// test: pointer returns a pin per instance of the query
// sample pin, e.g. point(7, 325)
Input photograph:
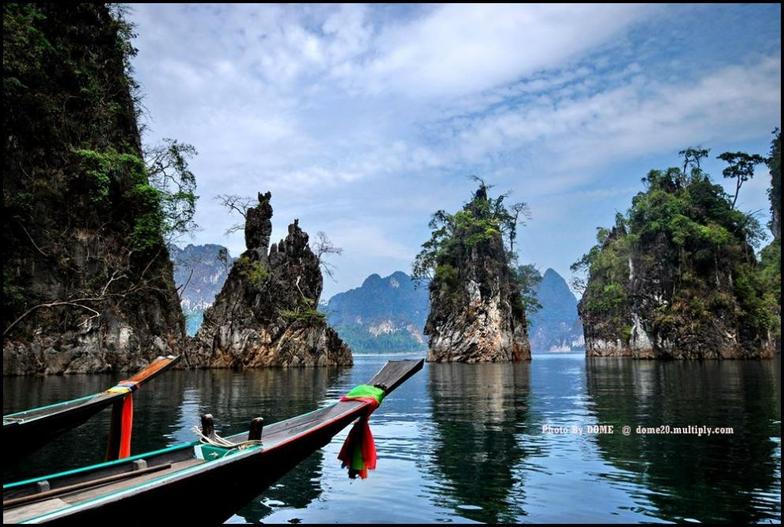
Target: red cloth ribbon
point(126, 426)
point(359, 449)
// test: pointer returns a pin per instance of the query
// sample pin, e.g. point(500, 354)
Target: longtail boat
point(204, 480)
point(25, 432)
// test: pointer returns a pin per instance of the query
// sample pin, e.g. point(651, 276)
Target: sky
point(363, 120)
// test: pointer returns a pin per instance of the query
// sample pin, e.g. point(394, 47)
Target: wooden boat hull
point(25, 438)
point(27, 431)
point(185, 482)
point(227, 488)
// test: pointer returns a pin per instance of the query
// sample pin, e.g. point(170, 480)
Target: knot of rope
point(216, 440)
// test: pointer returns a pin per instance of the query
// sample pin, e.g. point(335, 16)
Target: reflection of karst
point(477, 410)
point(714, 478)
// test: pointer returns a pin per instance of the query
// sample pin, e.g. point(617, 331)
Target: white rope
point(219, 441)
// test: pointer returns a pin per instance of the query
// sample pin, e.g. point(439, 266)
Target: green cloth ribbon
point(365, 390)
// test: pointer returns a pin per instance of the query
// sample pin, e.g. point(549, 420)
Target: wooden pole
point(208, 426)
point(256, 427)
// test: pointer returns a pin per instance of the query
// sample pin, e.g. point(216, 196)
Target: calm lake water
point(465, 443)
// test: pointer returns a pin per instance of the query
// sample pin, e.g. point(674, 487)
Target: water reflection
point(278, 394)
point(709, 478)
point(476, 410)
point(459, 443)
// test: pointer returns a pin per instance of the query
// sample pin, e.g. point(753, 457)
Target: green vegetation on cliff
point(481, 222)
point(680, 265)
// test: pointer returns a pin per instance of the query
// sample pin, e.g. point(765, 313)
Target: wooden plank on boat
point(156, 367)
point(80, 486)
point(33, 510)
point(396, 372)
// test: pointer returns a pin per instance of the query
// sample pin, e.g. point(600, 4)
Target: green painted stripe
point(100, 465)
point(84, 504)
point(52, 405)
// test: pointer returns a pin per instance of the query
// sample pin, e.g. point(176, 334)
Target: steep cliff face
point(87, 281)
point(199, 272)
point(604, 308)
point(676, 277)
point(476, 313)
point(771, 255)
point(266, 314)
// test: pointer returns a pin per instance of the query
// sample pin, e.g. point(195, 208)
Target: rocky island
point(265, 314)
point(477, 313)
point(677, 276)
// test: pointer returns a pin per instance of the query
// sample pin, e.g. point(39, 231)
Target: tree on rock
point(477, 309)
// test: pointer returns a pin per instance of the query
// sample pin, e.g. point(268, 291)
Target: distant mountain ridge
point(556, 327)
point(382, 315)
point(199, 273)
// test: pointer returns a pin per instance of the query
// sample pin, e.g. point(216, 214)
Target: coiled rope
point(216, 440)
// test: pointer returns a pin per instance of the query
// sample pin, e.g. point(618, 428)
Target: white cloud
point(377, 113)
point(467, 48)
point(639, 118)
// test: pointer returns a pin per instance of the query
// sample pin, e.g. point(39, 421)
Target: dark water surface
point(465, 443)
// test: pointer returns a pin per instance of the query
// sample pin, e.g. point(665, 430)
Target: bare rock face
point(266, 315)
point(474, 316)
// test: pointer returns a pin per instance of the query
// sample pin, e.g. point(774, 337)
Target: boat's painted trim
point(99, 465)
point(50, 406)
